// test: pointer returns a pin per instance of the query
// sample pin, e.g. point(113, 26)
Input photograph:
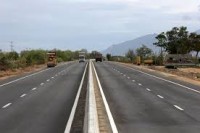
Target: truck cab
point(81, 57)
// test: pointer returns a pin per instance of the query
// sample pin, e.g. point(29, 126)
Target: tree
point(108, 56)
point(143, 52)
point(195, 43)
point(13, 55)
point(175, 41)
point(130, 54)
point(162, 42)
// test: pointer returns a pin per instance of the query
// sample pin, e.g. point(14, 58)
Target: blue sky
point(90, 24)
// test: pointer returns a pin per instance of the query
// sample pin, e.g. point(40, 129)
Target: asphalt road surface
point(39, 102)
point(149, 103)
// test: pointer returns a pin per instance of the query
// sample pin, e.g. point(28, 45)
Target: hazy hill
point(198, 31)
point(122, 48)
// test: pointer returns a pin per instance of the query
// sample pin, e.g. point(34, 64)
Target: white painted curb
point(92, 117)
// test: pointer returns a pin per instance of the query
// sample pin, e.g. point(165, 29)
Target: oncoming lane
point(44, 108)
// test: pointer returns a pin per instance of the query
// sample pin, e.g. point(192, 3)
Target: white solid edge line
point(23, 77)
point(93, 123)
point(71, 117)
point(165, 80)
point(110, 117)
point(5, 106)
point(178, 107)
point(160, 96)
point(29, 75)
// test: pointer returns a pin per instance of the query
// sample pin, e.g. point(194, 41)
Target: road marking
point(52, 77)
point(71, 117)
point(121, 73)
point(48, 80)
point(133, 80)
point(178, 107)
point(34, 89)
point(139, 84)
point(165, 80)
point(42, 84)
point(5, 106)
point(110, 117)
point(148, 89)
point(128, 77)
point(124, 75)
point(160, 96)
point(23, 95)
point(23, 77)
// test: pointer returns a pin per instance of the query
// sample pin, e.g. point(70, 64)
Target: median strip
point(106, 106)
point(92, 117)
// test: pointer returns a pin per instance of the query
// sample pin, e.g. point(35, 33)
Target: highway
point(142, 102)
point(136, 101)
point(39, 102)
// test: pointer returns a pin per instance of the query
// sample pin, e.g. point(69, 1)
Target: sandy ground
point(15, 72)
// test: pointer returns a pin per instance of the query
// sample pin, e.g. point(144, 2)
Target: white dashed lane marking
point(160, 96)
point(23, 95)
point(34, 88)
point(139, 84)
point(176, 106)
point(5, 106)
point(148, 89)
point(48, 80)
point(128, 77)
point(52, 77)
point(42, 84)
point(133, 80)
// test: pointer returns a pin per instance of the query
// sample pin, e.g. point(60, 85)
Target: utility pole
point(11, 46)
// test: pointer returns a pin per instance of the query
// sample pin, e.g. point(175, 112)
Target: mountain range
point(121, 48)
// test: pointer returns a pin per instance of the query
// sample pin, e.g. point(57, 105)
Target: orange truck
point(51, 59)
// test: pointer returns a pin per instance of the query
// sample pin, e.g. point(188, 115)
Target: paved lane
point(142, 104)
point(41, 103)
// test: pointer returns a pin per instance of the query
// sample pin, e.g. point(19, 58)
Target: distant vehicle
point(175, 60)
point(148, 62)
point(81, 57)
point(98, 57)
point(51, 59)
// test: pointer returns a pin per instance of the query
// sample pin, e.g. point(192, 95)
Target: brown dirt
point(10, 73)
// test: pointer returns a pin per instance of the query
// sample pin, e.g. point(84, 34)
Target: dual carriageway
point(98, 97)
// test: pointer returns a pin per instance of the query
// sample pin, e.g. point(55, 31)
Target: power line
point(11, 46)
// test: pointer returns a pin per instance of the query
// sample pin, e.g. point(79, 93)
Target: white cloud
point(48, 22)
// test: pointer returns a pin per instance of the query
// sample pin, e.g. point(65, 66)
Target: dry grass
point(10, 73)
